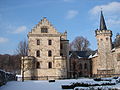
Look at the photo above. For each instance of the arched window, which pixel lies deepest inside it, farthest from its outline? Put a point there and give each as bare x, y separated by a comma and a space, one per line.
38, 42
37, 53
49, 53
37, 65
50, 65
107, 38
80, 73
101, 39
80, 66
85, 66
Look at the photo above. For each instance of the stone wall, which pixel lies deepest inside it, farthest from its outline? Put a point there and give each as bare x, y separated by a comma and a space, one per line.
44, 32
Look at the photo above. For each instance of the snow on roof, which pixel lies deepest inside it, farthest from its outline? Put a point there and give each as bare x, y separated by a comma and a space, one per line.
79, 57
113, 49
95, 55
70, 55
92, 56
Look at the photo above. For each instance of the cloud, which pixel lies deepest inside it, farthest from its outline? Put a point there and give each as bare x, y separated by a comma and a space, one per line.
3, 40
20, 29
111, 12
113, 7
113, 22
71, 14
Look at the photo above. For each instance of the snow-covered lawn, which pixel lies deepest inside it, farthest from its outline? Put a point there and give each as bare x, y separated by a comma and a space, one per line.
45, 85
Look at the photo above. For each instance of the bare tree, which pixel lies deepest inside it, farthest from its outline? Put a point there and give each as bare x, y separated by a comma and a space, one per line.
71, 46
22, 49
79, 44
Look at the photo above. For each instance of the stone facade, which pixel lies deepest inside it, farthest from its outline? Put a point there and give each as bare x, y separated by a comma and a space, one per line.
50, 51
48, 55
80, 64
107, 61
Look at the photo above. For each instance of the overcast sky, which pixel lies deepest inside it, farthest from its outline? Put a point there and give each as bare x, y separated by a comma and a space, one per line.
78, 17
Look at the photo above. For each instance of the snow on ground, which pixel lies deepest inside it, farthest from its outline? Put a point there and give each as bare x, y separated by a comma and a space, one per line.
45, 85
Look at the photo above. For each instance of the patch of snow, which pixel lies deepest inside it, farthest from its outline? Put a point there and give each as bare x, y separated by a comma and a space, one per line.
46, 85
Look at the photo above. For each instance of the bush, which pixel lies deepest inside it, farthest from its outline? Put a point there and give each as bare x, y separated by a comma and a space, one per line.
97, 79
51, 80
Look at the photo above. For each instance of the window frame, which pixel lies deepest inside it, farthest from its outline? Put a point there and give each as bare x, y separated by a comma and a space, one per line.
44, 30
38, 65
85, 66
49, 65
49, 42
38, 41
49, 53
38, 53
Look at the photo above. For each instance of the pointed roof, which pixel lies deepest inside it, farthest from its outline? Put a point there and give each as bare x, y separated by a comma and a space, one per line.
102, 22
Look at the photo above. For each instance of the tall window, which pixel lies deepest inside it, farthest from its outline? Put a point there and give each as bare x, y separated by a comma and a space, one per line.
44, 30
37, 53
38, 42
49, 42
61, 54
37, 65
85, 66
49, 64
49, 53
80, 66
61, 46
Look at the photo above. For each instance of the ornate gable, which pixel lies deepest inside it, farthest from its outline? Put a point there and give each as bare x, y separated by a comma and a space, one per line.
44, 27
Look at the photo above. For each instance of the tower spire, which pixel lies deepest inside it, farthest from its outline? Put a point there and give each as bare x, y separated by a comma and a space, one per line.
102, 22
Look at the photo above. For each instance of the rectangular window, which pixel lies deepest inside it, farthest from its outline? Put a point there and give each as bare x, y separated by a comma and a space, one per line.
38, 42
49, 53
61, 46
44, 30
38, 65
37, 53
49, 42
50, 65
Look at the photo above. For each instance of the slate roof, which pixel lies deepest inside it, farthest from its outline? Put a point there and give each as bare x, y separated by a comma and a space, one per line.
82, 54
102, 22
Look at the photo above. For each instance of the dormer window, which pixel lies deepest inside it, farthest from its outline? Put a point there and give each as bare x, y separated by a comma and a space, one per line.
44, 30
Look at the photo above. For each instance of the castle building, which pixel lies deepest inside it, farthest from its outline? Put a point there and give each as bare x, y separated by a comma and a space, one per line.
104, 62
80, 64
48, 53
107, 61
49, 56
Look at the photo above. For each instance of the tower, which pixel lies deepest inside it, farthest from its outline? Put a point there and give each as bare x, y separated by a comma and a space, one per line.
104, 41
